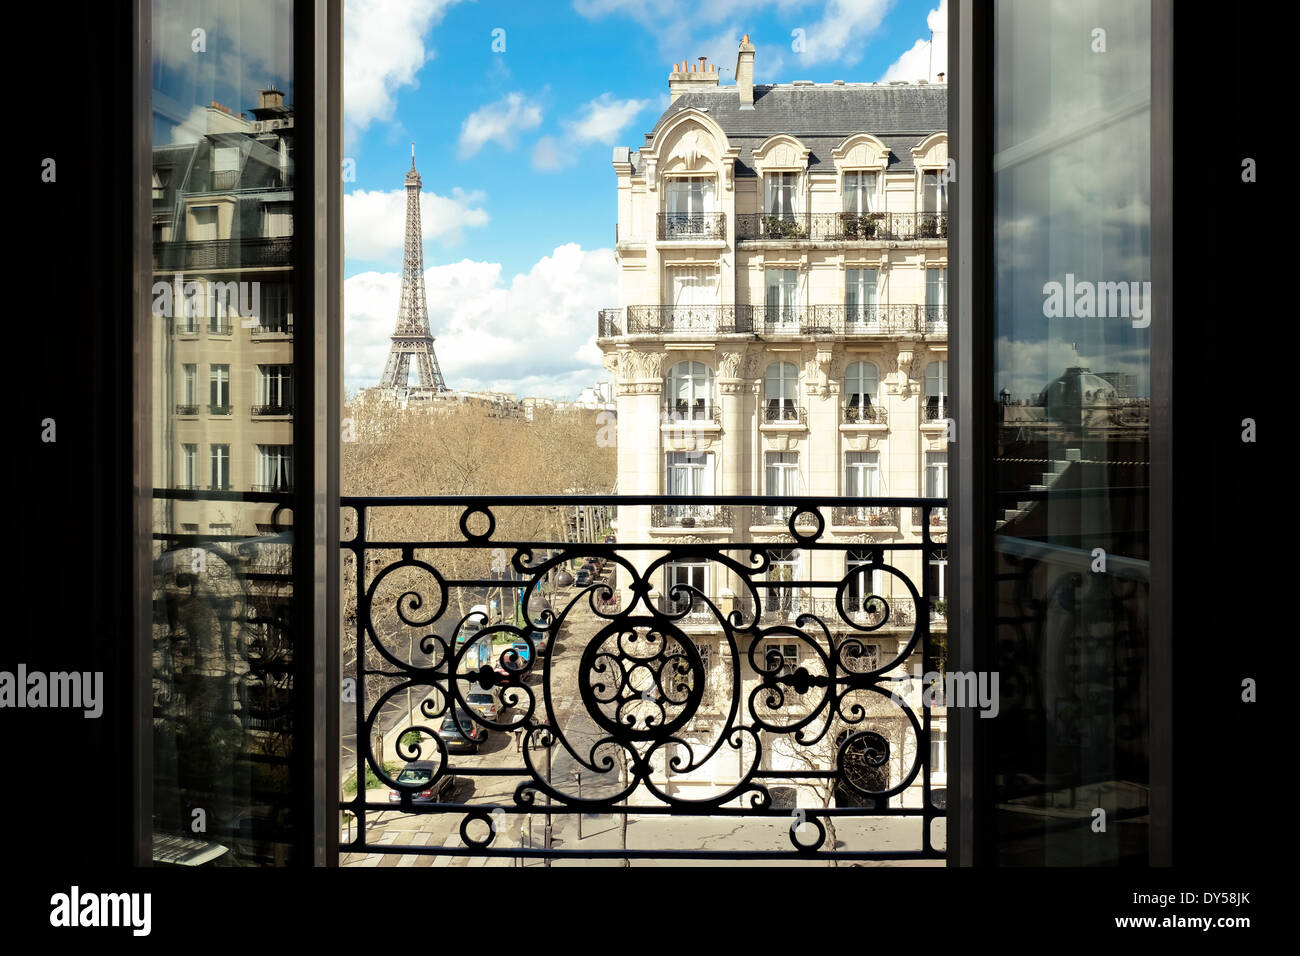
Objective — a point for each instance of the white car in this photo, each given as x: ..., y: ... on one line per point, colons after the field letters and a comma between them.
x: 486, y: 703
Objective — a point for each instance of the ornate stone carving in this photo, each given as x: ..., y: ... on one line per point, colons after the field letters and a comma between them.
x: 691, y: 148
x: 642, y: 365
x: 729, y: 365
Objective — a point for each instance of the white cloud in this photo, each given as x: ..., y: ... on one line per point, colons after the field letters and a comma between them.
x: 843, y: 31
x: 383, y: 50
x: 920, y: 62
x: 533, y: 336
x: 373, y: 221
x: 499, y: 121
x: 602, y: 119
x: 550, y: 155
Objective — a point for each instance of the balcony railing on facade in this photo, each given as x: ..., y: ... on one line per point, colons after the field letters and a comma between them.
x: 282, y: 408
x: 690, y: 516
x: 272, y: 326
x: 841, y: 226
x: 783, y: 411
x: 858, y: 414
x: 692, y: 225
x: 936, y: 409
x: 696, y: 411
x: 865, y: 516
x: 251, y: 253
x: 187, y: 409
x: 849, y: 320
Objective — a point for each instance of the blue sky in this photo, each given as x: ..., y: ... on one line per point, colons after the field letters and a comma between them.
x: 514, y: 147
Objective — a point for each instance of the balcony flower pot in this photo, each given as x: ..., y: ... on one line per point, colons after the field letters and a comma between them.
x: 563, y: 578
x: 688, y: 522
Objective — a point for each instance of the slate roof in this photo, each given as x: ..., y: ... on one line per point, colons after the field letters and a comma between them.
x: 821, y: 116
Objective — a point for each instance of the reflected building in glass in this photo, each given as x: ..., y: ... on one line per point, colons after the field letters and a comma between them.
x: 223, y: 464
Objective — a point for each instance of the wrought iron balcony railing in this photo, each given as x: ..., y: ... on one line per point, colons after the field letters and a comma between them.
x: 268, y: 326
x: 696, y: 411
x: 893, y: 319
x: 690, y: 516
x: 777, y: 411
x: 219, y: 327
x: 863, y: 415
x: 214, y: 409
x: 938, y: 517
x: 693, y: 225
x: 935, y: 409
x: 283, y: 408
x: 666, y: 319
x: 841, y: 226
x: 187, y: 409
x: 250, y: 253
x: 611, y: 717
x: 865, y: 516
x: 185, y: 326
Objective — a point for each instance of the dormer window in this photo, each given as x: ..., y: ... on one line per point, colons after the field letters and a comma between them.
x: 781, y: 189
x: 934, y: 192
x: 860, y: 192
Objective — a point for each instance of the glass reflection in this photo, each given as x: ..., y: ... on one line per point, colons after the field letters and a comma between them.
x: 222, y: 189
x: 1073, y: 384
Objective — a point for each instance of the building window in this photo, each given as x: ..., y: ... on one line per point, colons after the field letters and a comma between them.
x: 936, y: 390
x: 694, y: 292
x: 936, y: 298
x: 276, y: 389
x: 219, y: 389
x: 689, y: 201
x: 274, y: 467
x: 685, y: 574
x: 934, y: 193
x: 190, y: 388
x: 161, y: 177
x: 862, y: 474
x: 861, y: 382
x: 782, y: 481
x: 780, y: 386
x: 860, y: 303
x: 938, y: 751
x: 936, y: 570
x: 788, y: 653
x: 187, y: 528
x: 688, y: 473
x: 277, y: 307
x: 277, y: 219
x: 936, y: 474
x: 189, y: 466
x: 690, y: 392
x: 860, y: 192
x: 220, y: 458
x: 205, y: 223
x: 780, y: 194
x: 864, y: 580
x: 779, y: 296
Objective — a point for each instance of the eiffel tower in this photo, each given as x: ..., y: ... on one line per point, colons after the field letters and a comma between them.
x: 411, y: 338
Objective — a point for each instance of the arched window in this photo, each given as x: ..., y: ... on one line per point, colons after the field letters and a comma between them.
x: 780, y: 385
x: 861, y: 380
x: 689, y: 392
x: 936, y: 390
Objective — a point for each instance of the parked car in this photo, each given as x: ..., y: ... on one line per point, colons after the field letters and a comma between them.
x: 583, y: 578
x: 486, y: 703
x: 515, y: 660
x: 541, y: 640
x: 461, y: 733
x: 422, y: 771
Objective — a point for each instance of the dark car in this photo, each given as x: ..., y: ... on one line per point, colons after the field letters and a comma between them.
x: 461, y: 734
x: 583, y: 578
x: 422, y: 772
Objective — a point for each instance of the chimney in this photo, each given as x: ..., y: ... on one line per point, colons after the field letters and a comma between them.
x: 687, y: 76
x: 745, y: 73
x: 269, y: 98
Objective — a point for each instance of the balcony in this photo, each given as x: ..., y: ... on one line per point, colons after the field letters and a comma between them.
x: 261, y: 411
x: 784, y: 319
x: 685, y: 413
x: 218, y: 409
x: 670, y: 319
x: 251, y: 253
x: 690, y: 516
x: 863, y: 415
x: 865, y: 516
x: 842, y: 226
x: 938, y: 518
x: 187, y: 409
x: 219, y: 327
x: 678, y: 226
x: 935, y: 411
x: 185, y: 326
x: 934, y: 319
x: 269, y: 327
x: 778, y: 412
